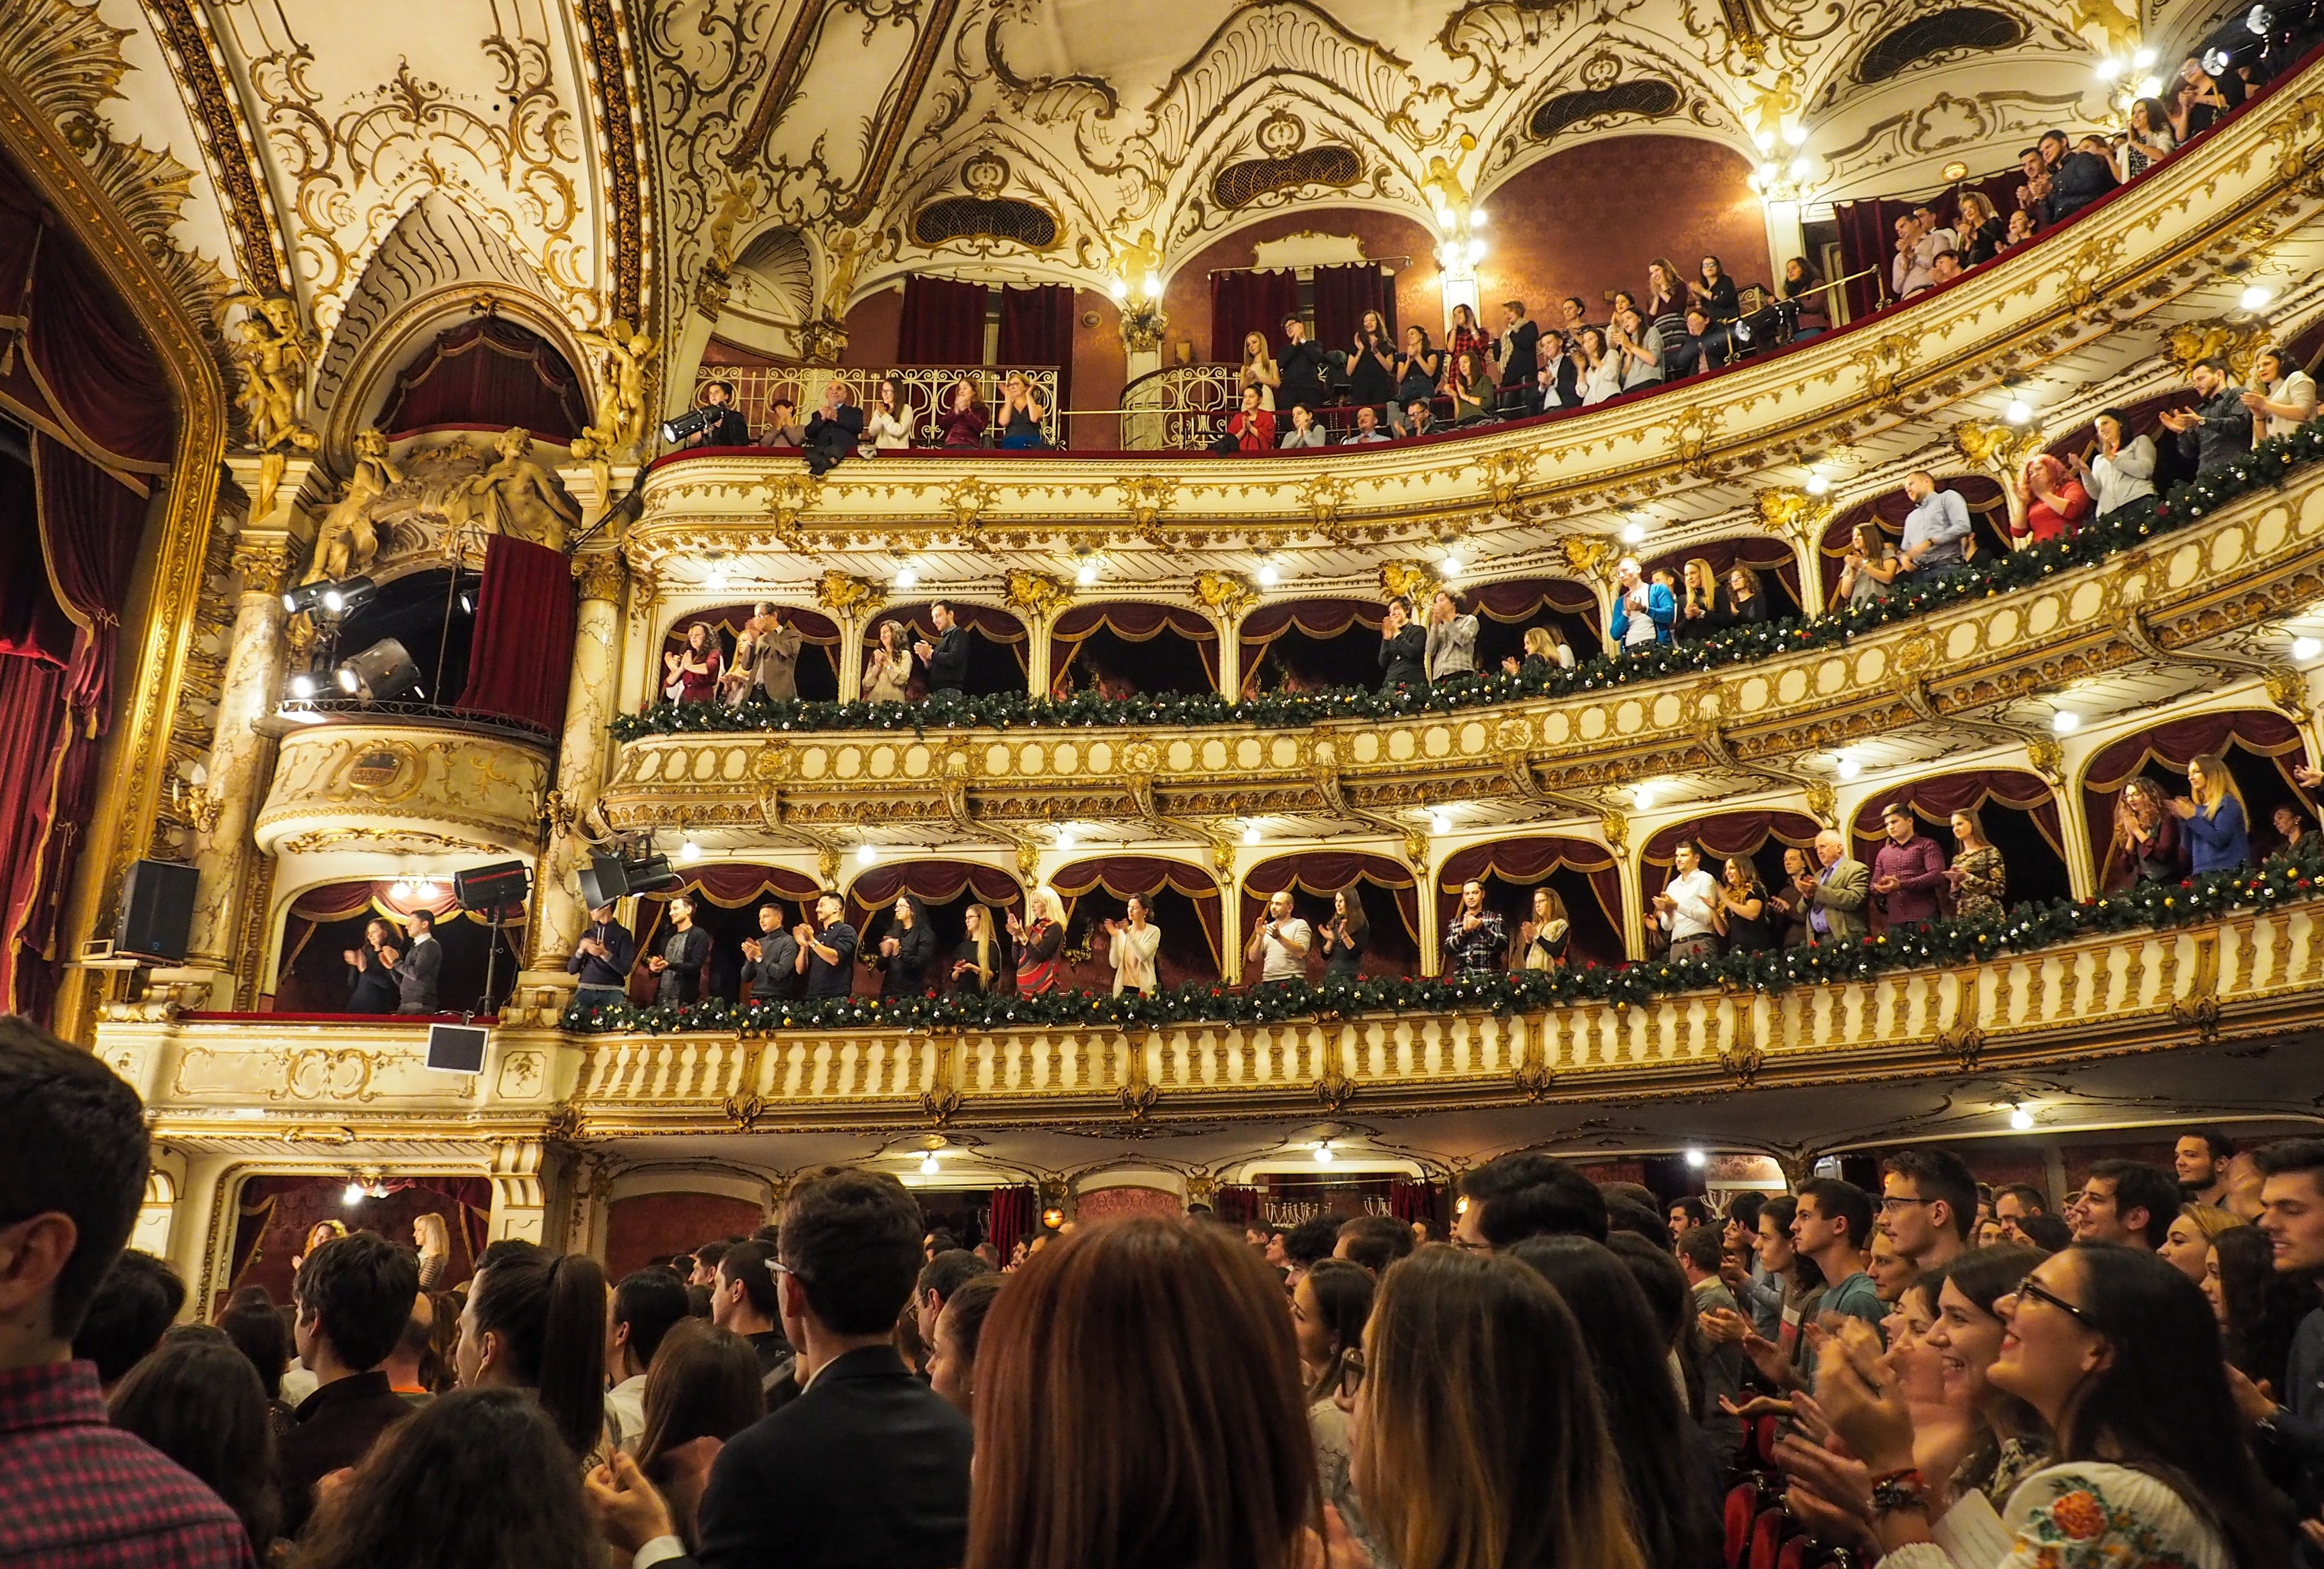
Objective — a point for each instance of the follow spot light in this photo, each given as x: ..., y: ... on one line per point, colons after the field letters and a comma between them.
x: 691, y: 423
x: 333, y: 599
x: 382, y: 673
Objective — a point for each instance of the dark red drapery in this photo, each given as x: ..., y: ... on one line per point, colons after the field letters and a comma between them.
x: 489, y: 371
x: 1734, y: 833
x: 1122, y: 876
x: 1937, y: 799
x: 1317, y: 619
x: 731, y: 886
x: 1013, y: 1214
x: 1343, y: 295
x: 988, y: 622
x: 1764, y: 554
x: 943, y: 321
x: 32, y: 625
x: 2262, y: 731
x: 938, y: 882
x: 1036, y: 329
x: 1324, y: 873
x: 1243, y: 302
x: 1521, y: 598
x: 1411, y: 1201
x: 1867, y: 230
x: 1132, y: 622
x: 1524, y: 862
x: 523, y: 653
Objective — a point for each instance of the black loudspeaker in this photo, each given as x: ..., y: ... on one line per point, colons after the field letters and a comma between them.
x: 157, y: 911
x: 503, y: 885
x: 455, y: 1048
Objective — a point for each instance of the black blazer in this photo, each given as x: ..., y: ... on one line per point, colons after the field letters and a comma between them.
x: 866, y: 1469
x: 1403, y: 658
x: 834, y: 433
x: 422, y: 962
x: 948, y: 660
x: 1519, y: 364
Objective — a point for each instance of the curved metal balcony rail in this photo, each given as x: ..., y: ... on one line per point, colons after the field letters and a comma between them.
x: 925, y: 389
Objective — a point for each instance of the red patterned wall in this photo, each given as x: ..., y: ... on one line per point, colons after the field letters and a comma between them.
x: 654, y: 1226
x: 1117, y: 1202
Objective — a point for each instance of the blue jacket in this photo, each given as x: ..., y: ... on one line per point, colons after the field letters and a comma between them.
x: 1662, y: 608
x: 2217, y: 843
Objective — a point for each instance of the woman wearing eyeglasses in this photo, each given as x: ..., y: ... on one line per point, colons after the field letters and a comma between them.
x: 1329, y: 1308
x: 2118, y: 1353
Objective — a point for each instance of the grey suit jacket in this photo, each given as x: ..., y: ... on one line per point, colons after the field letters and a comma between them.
x: 415, y: 969
x: 1451, y: 647
x: 1842, y: 895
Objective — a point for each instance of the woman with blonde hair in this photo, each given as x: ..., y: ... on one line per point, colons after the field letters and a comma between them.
x: 1703, y: 610
x: 1260, y: 369
x: 434, y: 1241
x: 1038, y: 943
x: 1473, y: 1361
x: 977, y: 962
x: 1978, y: 228
x: 1979, y: 878
x: 888, y: 676
x: 1021, y: 412
x: 2213, y: 812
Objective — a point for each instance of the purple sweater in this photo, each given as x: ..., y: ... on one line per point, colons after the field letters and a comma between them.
x: 1919, y: 868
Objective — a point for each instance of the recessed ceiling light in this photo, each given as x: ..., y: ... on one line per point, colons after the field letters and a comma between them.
x: 866, y: 854
x: 1849, y: 768
x: 1818, y: 485
x: 689, y: 851
x: 908, y: 577
x: 1251, y: 833
x: 2306, y: 647
x: 1270, y: 575
x: 1696, y: 1160
x: 1087, y: 575
x: 2018, y: 412
x: 2020, y: 1118
x: 2065, y: 721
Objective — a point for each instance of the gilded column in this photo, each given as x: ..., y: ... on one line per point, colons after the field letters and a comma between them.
x: 1230, y: 656
x: 1230, y: 932
x: 851, y: 658
x: 1432, y: 931
x: 589, y: 706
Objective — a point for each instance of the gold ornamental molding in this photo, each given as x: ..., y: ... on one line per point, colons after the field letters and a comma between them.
x: 410, y: 789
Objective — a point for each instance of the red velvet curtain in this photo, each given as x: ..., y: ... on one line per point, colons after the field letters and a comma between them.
x: 1343, y: 295
x: 1237, y: 1203
x: 523, y: 652
x: 1411, y: 1201
x: 1013, y: 1214
x: 1734, y: 833
x: 1244, y: 302
x: 937, y: 881
x: 1937, y: 799
x: 1132, y: 623
x: 1867, y: 230
x: 732, y: 886
x: 489, y: 371
x: 1528, y: 861
x: 1324, y: 873
x: 943, y: 321
x: 1521, y: 598
x: 1317, y: 619
x: 1036, y: 328
x: 2176, y: 744
x: 1122, y: 876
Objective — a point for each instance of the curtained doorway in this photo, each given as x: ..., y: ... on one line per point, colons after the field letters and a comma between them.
x: 323, y: 922
x: 2020, y: 816
x: 1583, y: 875
x: 1313, y: 645
x: 996, y: 645
x: 818, y: 669
x: 1133, y: 650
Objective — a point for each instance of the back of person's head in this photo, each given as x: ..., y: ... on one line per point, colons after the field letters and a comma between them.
x: 704, y: 1383
x: 948, y: 1272
x: 1138, y: 1407
x: 747, y: 1262
x: 697, y: 1302
x: 1473, y: 1361
x: 199, y: 1400
x: 2159, y: 1401
x: 1628, y: 1340
x: 1342, y: 1291
x: 708, y: 1254
x: 1637, y: 1193
x: 1626, y: 1215
x: 355, y: 1292
x: 1375, y: 1241
x: 651, y: 1302
x: 477, y: 1478
x: 1533, y: 1195
x: 852, y: 1239
x: 73, y: 1149
x: 2049, y: 1232
x: 257, y: 1331
x: 541, y: 1318
x: 1312, y: 1239
x: 940, y: 1240
x: 1838, y: 1200
x: 960, y: 1329
x: 1702, y: 1247
x: 2139, y: 1186
x: 135, y: 1304
x: 1937, y: 1173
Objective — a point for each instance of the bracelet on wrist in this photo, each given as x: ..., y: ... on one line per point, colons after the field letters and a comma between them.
x: 1900, y: 1491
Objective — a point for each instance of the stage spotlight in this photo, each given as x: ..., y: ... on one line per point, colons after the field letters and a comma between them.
x: 691, y: 423
x: 333, y: 599
x: 504, y: 885
x: 610, y: 877
x: 382, y: 673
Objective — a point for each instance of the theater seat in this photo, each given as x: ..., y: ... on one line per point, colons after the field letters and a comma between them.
x: 1742, y: 1508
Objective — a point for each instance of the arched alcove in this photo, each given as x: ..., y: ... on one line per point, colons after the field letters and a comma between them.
x: 1129, y: 648
x: 323, y: 922
x: 818, y: 670
x: 1391, y: 899
x: 2019, y: 814
x: 492, y: 372
x: 946, y: 889
x: 1584, y: 875
x: 1988, y: 513
x: 998, y: 643
x: 2259, y: 747
x: 1183, y: 900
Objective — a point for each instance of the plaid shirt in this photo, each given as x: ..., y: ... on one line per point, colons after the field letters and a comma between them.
x: 77, y: 1493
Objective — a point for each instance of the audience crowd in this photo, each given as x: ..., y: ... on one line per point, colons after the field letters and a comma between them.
x: 1938, y: 1374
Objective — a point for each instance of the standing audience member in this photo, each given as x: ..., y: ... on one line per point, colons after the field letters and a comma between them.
x: 1280, y: 944
x: 1133, y: 943
x: 2287, y: 1416
x: 353, y: 1296
x: 702, y: 1389
x: 1345, y: 935
x: 939, y: 1278
x: 2213, y: 816
x: 75, y: 1490
x: 1404, y: 649
x: 2125, y: 1202
x: 2260, y: 1309
x: 1644, y: 612
x: 769, y: 960
x: 1260, y: 373
x: 1475, y: 938
x: 603, y: 958
x: 960, y: 1329
x: 1688, y: 906
x: 255, y: 1327
x: 2201, y: 1162
x: 908, y: 950
x: 2122, y: 471
x: 371, y: 979
x: 1451, y: 642
x: 410, y: 1370
x: 1373, y: 1241
x: 1928, y: 1204
x: 744, y: 1301
x: 962, y: 418
x: 2053, y: 502
x: 1300, y: 369
x: 827, y: 958
x: 2284, y: 398
x: 981, y: 960
x: 2077, y: 179
x: 1039, y: 942
x: 536, y: 1321
x: 1935, y: 529
x: 1837, y: 893
x: 1744, y: 918
x: 2144, y: 847
x: 1329, y: 1311
x: 1515, y: 1197
x: 2217, y: 430
x: 1869, y: 569
x: 1907, y: 870
x: 1515, y: 351
x: 678, y: 968
x: 135, y: 1304
x: 199, y: 1400
x: 2150, y: 139
x: 418, y: 966
x: 946, y: 659
x: 1542, y: 938
x: 647, y: 1306
x: 1979, y: 877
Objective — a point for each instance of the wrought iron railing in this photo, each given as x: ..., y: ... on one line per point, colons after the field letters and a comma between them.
x: 925, y: 389
x: 1179, y: 407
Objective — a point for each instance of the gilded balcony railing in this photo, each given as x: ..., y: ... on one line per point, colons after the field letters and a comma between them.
x: 925, y: 389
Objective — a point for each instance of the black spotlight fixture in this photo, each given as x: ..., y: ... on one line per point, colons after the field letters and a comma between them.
x: 501, y: 888
x: 382, y: 673
x: 610, y: 877
x: 333, y: 599
x: 691, y: 423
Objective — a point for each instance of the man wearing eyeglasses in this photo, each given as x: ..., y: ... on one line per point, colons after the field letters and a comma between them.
x: 1928, y: 1202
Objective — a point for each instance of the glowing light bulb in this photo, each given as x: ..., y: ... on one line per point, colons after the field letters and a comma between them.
x: 1800, y: 167
x: 908, y: 577
x: 1087, y: 575
x: 1633, y: 534
x: 1251, y: 833
x: 2109, y: 70
x: 866, y: 854
x: 689, y: 852
x: 1818, y: 485
x: 1765, y: 141
x: 1849, y: 768
x: 1696, y: 1160
x: 2257, y: 296
x: 2018, y: 412
x: 1450, y: 566
x: 424, y: 891
x: 715, y: 583
x: 402, y: 890
x: 1270, y: 575
x: 1794, y: 134
x: 1066, y: 838
x: 2020, y: 1118
x: 1154, y: 286
x: 929, y: 1165
x: 1768, y: 171
x: 1324, y: 1156
x: 1440, y: 823
x: 353, y: 1196
x: 1644, y: 796
x: 1476, y: 217
x: 1119, y: 289
x: 302, y: 687
x: 2306, y: 647
x: 2142, y: 60
x: 1476, y: 252
x: 2065, y: 721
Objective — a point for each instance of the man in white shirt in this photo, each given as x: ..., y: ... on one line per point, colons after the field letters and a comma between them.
x: 1279, y: 946
x: 1684, y: 908
x: 1367, y: 428
x: 646, y: 1305
x: 2289, y: 401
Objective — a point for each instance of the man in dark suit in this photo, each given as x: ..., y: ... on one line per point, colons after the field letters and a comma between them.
x: 419, y: 965
x: 869, y: 1466
x: 1516, y: 351
x: 1302, y: 365
x: 832, y: 430
x: 946, y: 659
x: 352, y: 1296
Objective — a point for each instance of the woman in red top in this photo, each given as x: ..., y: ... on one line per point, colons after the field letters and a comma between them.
x: 2055, y: 502
x: 1252, y: 429
x: 962, y: 418
x: 693, y: 669
x: 1038, y: 945
x: 1465, y: 337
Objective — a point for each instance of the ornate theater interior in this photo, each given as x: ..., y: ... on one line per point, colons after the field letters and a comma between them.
x: 364, y: 552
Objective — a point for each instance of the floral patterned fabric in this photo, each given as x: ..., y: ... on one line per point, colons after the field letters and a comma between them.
x: 2086, y: 1514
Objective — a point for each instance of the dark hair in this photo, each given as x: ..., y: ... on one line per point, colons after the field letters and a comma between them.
x: 1375, y: 1241
x: 1939, y: 1174
x: 135, y: 1304
x: 2162, y: 1403
x: 1838, y: 1200
x: 2222, y: 1147
x: 72, y: 1143
x: 1531, y: 1195
x: 2262, y: 1304
x: 1744, y: 1208
x: 1697, y: 1210
x: 1987, y: 1275
x: 1097, y: 1334
x: 1343, y: 1291
x: 747, y: 1262
x: 704, y: 1383
x: 550, y: 1311
x: 1630, y: 1351
x: 199, y: 1400
x: 967, y: 1307
x: 2286, y: 1156
x: 651, y: 1302
x: 852, y: 1239
x: 2026, y: 1194
x: 257, y: 1331
x: 710, y: 1253
x: 2213, y: 363
x: 1624, y: 1213
x: 1312, y: 1240
x: 358, y: 1291
x: 948, y: 1272
x: 1701, y: 1245
x: 477, y: 1478
x: 2139, y: 1186
x: 2049, y: 1232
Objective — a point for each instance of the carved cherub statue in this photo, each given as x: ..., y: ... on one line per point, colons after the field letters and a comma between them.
x: 515, y: 496
x: 276, y: 353
x: 346, y: 544
x: 621, y: 422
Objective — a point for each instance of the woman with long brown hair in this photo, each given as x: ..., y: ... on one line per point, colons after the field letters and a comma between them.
x: 1137, y: 1407
x: 702, y: 1389
x: 1474, y: 1362
x: 2144, y: 847
x: 1345, y: 935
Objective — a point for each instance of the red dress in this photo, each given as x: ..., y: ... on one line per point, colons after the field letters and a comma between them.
x: 696, y: 688
x: 2056, y: 519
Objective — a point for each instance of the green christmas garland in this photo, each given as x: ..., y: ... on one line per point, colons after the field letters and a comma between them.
x: 2289, y: 877
x: 2268, y: 466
